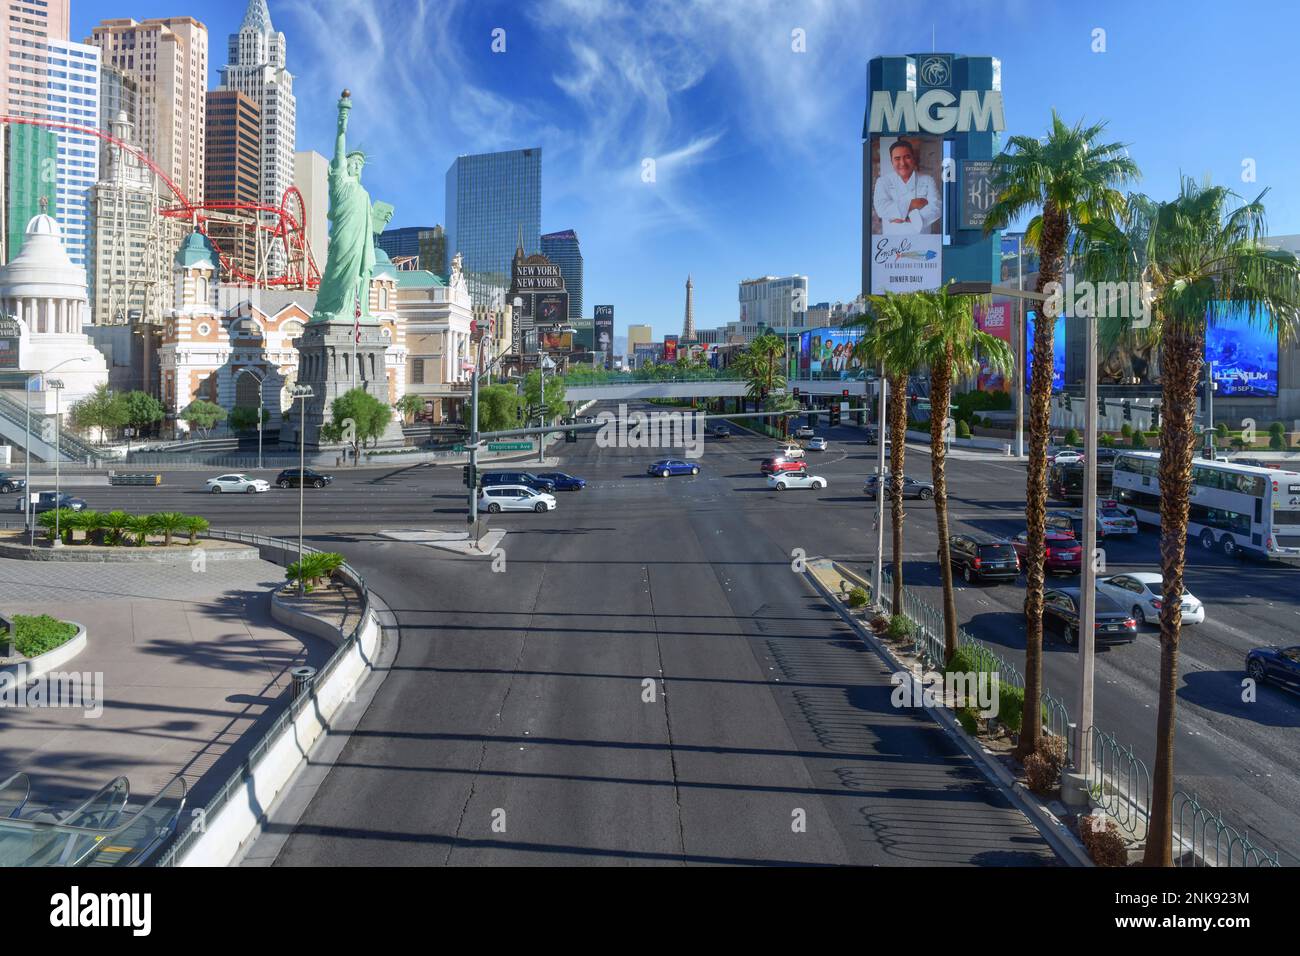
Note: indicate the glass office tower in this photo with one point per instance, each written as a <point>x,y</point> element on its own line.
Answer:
<point>491,199</point>
<point>562,249</point>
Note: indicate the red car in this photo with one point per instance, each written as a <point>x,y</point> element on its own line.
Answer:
<point>1064,552</point>
<point>775,466</point>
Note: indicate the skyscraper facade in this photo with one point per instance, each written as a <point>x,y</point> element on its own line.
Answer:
<point>232,170</point>
<point>168,59</point>
<point>73,92</point>
<point>256,67</point>
<point>24,54</point>
<point>401,242</point>
<point>311,176</point>
<point>774,303</point>
<point>433,251</point>
<point>30,153</point>
<point>562,248</point>
<point>494,203</point>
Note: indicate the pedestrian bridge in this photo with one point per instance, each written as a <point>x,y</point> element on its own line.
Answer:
<point>624,389</point>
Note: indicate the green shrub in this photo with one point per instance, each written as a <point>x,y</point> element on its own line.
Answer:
<point>1107,441</point>
<point>61,516</point>
<point>900,627</point>
<point>968,717</point>
<point>195,526</point>
<point>1276,442</point>
<point>1139,440</point>
<point>1221,430</point>
<point>141,526</point>
<point>963,430</point>
<point>858,597</point>
<point>37,635</point>
<point>1278,429</point>
<point>114,525</point>
<point>1126,430</point>
<point>1011,706</point>
<point>1072,437</point>
<point>167,524</point>
<point>313,568</point>
<point>962,661</point>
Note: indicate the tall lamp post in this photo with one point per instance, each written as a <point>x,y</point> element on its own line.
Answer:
<point>878,565</point>
<point>1088,585</point>
<point>57,385</point>
<point>27,450</point>
<point>303,392</point>
<point>542,366</point>
<point>261,401</point>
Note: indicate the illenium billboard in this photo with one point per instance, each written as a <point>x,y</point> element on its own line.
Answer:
<point>1058,352</point>
<point>1243,356</point>
<point>922,222</point>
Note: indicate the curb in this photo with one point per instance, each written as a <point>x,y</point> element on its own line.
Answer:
<point>1058,836</point>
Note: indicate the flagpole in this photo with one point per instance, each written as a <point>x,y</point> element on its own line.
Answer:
<point>356,336</point>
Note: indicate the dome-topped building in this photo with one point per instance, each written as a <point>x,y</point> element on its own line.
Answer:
<point>46,293</point>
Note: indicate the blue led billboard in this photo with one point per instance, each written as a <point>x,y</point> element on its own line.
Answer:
<point>1243,356</point>
<point>1058,352</point>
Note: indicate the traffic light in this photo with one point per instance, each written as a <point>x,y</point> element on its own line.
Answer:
<point>834,415</point>
<point>1155,417</point>
<point>796,392</point>
<point>570,436</point>
<point>1128,411</point>
<point>469,476</point>
<point>1101,405</point>
<point>844,393</point>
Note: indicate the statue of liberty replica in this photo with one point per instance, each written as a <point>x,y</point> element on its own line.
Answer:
<point>343,346</point>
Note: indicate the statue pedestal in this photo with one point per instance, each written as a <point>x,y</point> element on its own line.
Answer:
<point>333,362</point>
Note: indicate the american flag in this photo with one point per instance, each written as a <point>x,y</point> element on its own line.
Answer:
<point>356,325</point>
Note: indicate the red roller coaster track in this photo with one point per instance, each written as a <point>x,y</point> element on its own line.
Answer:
<point>285,223</point>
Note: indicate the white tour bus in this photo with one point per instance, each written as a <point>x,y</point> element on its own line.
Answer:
<point>1233,507</point>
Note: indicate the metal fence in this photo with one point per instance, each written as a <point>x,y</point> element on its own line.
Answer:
<point>238,780</point>
<point>1118,780</point>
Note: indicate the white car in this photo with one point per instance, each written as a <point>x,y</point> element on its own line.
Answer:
<point>1140,591</point>
<point>237,483</point>
<point>795,479</point>
<point>498,498</point>
<point>816,444</point>
<point>805,432</point>
<point>1113,521</point>
<point>1067,456</point>
<point>793,452</point>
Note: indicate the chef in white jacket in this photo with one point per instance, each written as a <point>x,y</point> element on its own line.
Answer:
<point>906,201</point>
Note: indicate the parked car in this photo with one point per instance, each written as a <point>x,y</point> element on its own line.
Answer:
<point>672,466</point>
<point>289,478</point>
<point>525,478</point>
<point>1061,616</point>
<point>1113,521</point>
<point>48,501</point>
<point>1278,664</point>
<point>11,483</point>
<point>775,466</point>
<point>563,482</point>
<point>795,479</point>
<point>1142,591</point>
<point>912,487</point>
<point>789,451</point>
<point>497,498</point>
<point>1068,456</point>
<point>1063,553</point>
<point>804,431</point>
<point>981,557</point>
<point>237,484</point>
<point>817,444</point>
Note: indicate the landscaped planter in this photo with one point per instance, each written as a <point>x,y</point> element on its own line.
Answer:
<point>28,668</point>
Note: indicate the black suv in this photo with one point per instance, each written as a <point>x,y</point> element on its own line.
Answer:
<point>9,483</point>
<point>525,478</point>
<point>1061,615</point>
<point>983,557</point>
<point>289,478</point>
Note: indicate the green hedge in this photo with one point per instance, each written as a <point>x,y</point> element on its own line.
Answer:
<point>38,635</point>
<point>114,528</point>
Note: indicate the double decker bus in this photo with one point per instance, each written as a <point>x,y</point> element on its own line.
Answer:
<point>1234,508</point>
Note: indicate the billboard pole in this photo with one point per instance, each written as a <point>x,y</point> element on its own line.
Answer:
<point>1020,355</point>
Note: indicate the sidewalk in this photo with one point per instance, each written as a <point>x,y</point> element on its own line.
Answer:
<point>192,665</point>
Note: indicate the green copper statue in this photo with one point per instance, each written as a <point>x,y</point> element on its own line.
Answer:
<point>353,225</point>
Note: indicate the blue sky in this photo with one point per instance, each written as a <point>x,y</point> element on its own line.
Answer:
<point>757,147</point>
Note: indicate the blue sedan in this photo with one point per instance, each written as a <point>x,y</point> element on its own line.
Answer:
<point>1278,664</point>
<point>564,482</point>
<point>672,466</point>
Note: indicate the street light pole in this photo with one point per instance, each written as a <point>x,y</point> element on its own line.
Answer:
<point>57,385</point>
<point>1088,590</point>
<point>303,392</point>
<point>877,568</point>
<point>27,463</point>
<point>1021,332</point>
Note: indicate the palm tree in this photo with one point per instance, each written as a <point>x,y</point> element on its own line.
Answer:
<point>952,345</point>
<point>759,364</point>
<point>1203,257</point>
<point>168,523</point>
<point>891,340</point>
<point>196,525</point>
<point>1072,179</point>
<point>113,524</point>
<point>141,526</point>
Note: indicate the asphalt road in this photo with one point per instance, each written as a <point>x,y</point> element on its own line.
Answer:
<point>636,571</point>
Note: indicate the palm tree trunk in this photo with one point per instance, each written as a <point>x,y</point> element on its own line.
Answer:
<point>1182,352</point>
<point>898,445</point>
<point>940,393</point>
<point>1051,267</point>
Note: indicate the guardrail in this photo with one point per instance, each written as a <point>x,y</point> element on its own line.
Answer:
<point>237,781</point>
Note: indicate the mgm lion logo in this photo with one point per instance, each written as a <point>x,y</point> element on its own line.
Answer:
<point>935,71</point>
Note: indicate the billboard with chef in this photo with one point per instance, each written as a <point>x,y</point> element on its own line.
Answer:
<point>906,213</point>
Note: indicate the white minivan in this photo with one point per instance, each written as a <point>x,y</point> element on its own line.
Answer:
<point>498,498</point>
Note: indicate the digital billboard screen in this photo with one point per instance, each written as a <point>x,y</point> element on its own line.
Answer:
<point>996,321</point>
<point>1243,356</point>
<point>906,213</point>
<point>1058,352</point>
<point>828,353</point>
